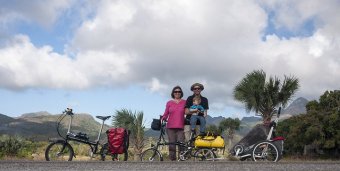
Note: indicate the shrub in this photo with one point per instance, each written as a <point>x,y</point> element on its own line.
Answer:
<point>14,146</point>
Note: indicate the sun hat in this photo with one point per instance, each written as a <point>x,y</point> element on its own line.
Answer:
<point>197,84</point>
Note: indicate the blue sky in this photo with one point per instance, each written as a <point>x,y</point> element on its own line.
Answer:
<point>101,56</point>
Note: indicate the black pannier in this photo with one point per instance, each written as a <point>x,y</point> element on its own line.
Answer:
<point>156,124</point>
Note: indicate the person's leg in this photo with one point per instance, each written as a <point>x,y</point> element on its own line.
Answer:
<point>172,148</point>
<point>180,138</point>
<point>193,121</point>
<point>187,132</point>
<point>202,126</point>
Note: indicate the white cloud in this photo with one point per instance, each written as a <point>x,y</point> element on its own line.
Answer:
<point>23,65</point>
<point>156,86</point>
<point>42,12</point>
<point>181,42</point>
<point>319,44</point>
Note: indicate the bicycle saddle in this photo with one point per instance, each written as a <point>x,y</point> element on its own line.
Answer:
<point>103,117</point>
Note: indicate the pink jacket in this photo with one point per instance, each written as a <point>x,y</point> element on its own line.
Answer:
<point>174,113</point>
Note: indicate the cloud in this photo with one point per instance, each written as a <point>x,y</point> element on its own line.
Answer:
<point>23,65</point>
<point>156,86</point>
<point>160,44</point>
<point>44,13</point>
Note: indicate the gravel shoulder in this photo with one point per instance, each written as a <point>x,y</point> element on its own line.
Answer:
<point>173,166</point>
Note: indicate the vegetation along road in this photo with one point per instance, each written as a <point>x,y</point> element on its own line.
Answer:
<point>197,166</point>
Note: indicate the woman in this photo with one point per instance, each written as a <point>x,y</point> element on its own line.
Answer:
<point>174,114</point>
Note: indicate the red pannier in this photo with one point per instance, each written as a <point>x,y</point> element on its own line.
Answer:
<point>118,140</point>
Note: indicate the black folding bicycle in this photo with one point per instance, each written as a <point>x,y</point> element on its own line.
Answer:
<point>188,150</point>
<point>61,149</point>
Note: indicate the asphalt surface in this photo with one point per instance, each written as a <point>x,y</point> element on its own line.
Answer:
<point>173,166</point>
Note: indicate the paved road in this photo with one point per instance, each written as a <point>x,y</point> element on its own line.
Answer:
<point>174,166</point>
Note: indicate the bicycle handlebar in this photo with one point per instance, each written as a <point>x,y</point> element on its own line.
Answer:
<point>279,112</point>
<point>68,111</point>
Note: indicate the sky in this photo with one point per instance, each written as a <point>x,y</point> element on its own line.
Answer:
<point>100,56</point>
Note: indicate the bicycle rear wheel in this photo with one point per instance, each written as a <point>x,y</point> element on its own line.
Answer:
<point>265,151</point>
<point>204,154</point>
<point>104,151</point>
<point>151,154</point>
<point>59,151</point>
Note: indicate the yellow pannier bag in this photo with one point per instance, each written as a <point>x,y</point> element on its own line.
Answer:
<point>209,141</point>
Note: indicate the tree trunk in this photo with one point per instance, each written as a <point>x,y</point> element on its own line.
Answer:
<point>266,117</point>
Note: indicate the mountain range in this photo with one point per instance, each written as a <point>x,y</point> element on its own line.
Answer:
<point>42,125</point>
<point>298,106</point>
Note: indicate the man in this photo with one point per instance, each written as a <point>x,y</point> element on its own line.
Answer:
<point>197,89</point>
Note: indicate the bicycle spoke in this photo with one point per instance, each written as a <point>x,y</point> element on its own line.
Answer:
<point>151,155</point>
<point>59,151</point>
<point>265,151</point>
<point>205,155</point>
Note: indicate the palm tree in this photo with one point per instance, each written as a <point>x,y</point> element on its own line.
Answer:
<point>134,122</point>
<point>263,97</point>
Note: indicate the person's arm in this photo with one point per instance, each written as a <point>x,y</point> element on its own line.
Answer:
<point>188,104</point>
<point>166,112</point>
<point>193,109</point>
<point>205,113</point>
<point>206,107</point>
<point>187,111</point>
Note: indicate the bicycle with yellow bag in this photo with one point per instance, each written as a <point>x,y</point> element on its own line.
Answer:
<point>209,141</point>
<point>190,150</point>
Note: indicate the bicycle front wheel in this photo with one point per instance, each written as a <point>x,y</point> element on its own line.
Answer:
<point>265,151</point>
<point>151,154</point>
<point>104,151</point>
<point>204,154</point>
<point>59,151</point>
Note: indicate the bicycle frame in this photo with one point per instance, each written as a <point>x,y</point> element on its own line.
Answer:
<point>70,136</point>
<point>244,152</point>
<point>183,145</point>
<point>270,134</point>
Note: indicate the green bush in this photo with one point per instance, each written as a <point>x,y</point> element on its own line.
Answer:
<point>14,146</point>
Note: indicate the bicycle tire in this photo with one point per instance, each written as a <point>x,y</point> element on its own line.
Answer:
<point>59,151</point>
<point>150,155</point>
<point>279,145</point>
<point>104,151</point>
<point>265,151</point>
<point>204,154</point>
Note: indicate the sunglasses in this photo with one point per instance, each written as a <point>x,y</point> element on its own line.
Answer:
<point>197,88</point>
<point>177,92</point>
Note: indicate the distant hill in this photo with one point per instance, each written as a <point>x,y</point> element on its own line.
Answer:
<point>298,106</point>
<point>42,125</point>
<point>251,119</point>
<point>42,113</point>
<point>5,119</point>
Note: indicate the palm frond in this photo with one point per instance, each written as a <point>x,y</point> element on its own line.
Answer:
<point>263,97</point>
